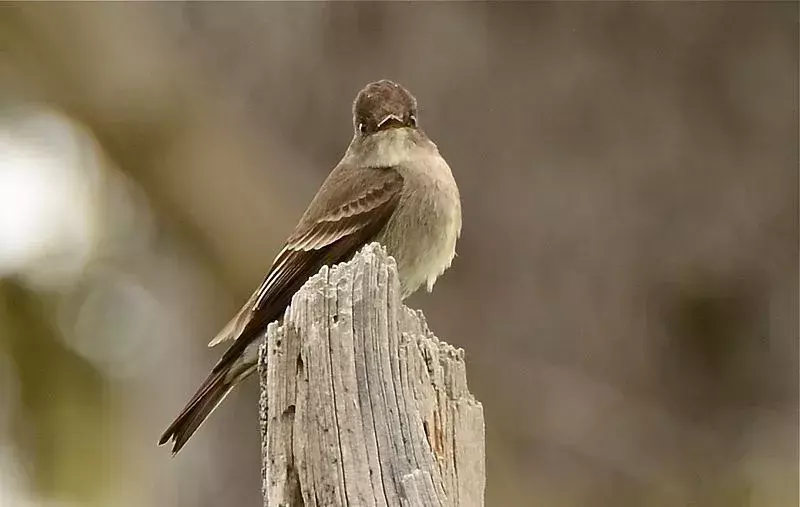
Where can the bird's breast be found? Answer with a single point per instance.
(422, 233)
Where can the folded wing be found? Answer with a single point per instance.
(325, 235)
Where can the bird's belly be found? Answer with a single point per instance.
(424, 255)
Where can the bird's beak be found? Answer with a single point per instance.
(390, 118)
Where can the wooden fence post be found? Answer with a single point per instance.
(361, 404)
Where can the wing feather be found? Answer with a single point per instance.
(327, 238)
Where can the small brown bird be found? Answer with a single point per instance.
(391, 186)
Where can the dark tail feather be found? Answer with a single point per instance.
(210, 394)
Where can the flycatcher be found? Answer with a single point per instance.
(392, 186)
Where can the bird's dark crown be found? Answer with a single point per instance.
(382, 105)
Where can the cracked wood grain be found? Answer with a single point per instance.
(361, 405)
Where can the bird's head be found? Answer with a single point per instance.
(383, 105)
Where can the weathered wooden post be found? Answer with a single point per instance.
(361, 404)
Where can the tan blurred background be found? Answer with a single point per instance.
(626, 285)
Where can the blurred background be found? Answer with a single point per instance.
(626, 284)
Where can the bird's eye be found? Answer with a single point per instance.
(412, 119)
(362, 127)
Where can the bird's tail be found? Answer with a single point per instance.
(210, 394)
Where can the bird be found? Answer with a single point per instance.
(391, 186)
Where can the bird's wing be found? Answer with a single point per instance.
(234, 328)
(323, 236)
